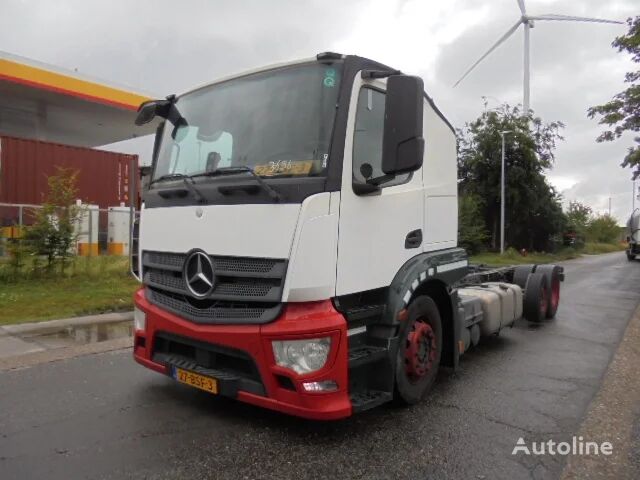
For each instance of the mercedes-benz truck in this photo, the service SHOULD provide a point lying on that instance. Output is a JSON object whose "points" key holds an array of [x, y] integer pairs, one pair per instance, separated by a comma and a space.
{"points": [[297, 242]]}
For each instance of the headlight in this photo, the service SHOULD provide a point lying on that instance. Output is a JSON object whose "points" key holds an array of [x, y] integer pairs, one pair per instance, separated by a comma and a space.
{"points": [[139, 319], [302, 356]]}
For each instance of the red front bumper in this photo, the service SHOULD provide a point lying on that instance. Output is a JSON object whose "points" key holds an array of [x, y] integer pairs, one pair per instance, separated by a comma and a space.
{"points": [[309, 320]]}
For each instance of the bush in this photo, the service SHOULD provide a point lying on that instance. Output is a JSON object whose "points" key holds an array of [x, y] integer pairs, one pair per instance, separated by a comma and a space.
{"points": [[54, 232], [598, 248], [472, 233], [602, 229]]}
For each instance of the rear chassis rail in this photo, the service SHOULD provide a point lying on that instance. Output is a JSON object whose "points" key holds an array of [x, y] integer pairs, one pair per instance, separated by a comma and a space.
{"points": [[479, 273]]}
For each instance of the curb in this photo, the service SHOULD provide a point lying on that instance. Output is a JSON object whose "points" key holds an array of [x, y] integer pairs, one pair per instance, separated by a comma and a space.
{"points": [[612, 415], [50, 326], [57, 354]]}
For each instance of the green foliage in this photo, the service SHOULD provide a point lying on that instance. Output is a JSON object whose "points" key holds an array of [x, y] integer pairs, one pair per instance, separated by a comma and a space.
{"points": [[512, 257], [622, 113], [603, 229], [472, 233], [533, 214], [18, 255], [600, 248], [54, 231], [578, 217]]}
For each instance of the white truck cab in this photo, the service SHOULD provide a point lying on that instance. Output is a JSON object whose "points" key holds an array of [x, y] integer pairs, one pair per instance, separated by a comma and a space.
{"points": [[297, 242]]}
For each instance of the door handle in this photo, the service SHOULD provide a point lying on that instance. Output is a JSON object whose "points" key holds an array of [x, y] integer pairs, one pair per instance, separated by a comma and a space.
{"points": [[413, 239]]}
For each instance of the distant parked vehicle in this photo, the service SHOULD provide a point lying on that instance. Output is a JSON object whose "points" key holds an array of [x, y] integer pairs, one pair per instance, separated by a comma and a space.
{"points": [[633, 237]]}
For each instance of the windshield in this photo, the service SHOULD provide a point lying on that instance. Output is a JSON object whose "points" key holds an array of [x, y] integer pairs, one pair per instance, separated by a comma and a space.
{"points": [[278, 123]]}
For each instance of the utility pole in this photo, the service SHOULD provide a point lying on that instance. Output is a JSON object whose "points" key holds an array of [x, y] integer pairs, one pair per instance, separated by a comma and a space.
{"points": [[502, 199], [609, 206], [633, 196]]}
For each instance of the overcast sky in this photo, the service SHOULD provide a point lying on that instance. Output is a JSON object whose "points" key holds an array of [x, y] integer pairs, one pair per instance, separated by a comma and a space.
{"points": [[163, 47]]}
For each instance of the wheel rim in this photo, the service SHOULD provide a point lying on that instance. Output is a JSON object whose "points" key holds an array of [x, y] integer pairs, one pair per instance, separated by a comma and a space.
{"points": [[543, 301], [555, 294], [421, 350]]}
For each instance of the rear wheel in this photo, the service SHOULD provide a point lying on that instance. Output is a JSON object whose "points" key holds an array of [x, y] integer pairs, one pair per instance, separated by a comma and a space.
{"points": [[419, 351], [536, 298], [552, 272], [520, 275]]}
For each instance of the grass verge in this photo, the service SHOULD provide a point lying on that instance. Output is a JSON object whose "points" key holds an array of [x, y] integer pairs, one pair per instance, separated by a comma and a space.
{"points": [[512, 257], [598, 248], [92, 285]]}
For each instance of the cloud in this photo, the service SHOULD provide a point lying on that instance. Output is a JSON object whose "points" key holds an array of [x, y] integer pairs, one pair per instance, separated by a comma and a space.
{"points": [[164, 47]]}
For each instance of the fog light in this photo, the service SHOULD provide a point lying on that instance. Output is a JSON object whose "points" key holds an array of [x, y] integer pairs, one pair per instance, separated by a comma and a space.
{"points": [[302, 356], [139, 319], [324, 386]]}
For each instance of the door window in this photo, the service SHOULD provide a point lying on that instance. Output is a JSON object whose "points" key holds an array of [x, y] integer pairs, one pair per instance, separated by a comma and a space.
{"points": [[367, 139]]}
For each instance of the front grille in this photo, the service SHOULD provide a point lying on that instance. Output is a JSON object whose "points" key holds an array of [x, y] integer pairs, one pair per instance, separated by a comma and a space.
{"points": [[223, 265], [218, 312], [164, 259], [253, 265], [247, 290]]}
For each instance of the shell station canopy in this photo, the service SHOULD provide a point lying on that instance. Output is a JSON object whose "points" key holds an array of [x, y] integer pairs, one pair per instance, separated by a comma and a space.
{"points": [[43, 102]]}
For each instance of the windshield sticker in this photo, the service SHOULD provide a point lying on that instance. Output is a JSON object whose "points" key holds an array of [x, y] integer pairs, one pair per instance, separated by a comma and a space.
{"points": [[325, 156], [284, 167], [329, 77]]}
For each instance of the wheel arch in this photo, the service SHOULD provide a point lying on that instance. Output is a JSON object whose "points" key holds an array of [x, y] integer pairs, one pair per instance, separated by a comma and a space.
{"points": [[432, 274], [438, 291]]}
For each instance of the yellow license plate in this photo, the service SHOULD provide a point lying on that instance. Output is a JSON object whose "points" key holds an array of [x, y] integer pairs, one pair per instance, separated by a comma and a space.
{"points": [[207, 384]]}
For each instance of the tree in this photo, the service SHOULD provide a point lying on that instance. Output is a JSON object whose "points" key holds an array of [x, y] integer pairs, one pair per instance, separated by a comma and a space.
{"points": [[578, 217], [472, 233], [533, 212], [622, 113], [603, 229], [54, 231]]}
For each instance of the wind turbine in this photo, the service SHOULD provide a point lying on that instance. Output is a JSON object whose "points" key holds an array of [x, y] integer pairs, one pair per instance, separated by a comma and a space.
{"points": [[528, 22]]}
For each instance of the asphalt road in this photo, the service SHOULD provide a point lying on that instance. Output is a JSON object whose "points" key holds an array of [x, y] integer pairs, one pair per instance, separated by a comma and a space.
{"points": [[103, 416]]}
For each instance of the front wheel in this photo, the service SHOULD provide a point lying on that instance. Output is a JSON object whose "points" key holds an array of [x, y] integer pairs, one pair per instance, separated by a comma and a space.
{"points": [[419, 351], [631, 257]]}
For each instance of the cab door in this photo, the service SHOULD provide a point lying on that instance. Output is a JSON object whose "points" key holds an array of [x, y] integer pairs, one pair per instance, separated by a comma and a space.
{"points": [[378, 232]]}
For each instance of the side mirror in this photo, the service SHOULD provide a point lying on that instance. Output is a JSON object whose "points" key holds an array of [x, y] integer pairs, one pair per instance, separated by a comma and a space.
{"points": [[402, 141], [148, 110]]}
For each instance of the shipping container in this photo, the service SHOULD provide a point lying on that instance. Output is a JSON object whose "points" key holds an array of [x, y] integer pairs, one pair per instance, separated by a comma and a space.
{"points": [[103, 177]]}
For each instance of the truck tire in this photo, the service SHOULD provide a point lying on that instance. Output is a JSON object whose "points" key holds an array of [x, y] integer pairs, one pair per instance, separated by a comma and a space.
{"points": [[631, 257], [536, 298], [552, 272], [419, 351], [520, 275]]}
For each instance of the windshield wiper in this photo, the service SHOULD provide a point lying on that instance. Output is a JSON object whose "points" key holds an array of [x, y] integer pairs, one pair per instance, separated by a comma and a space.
{"points": [[273, 193], [191, 185], [188, 181], [168, 176]]}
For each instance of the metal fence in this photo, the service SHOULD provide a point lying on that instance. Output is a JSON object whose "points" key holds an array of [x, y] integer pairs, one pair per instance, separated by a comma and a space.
{"points": [[100, 231]]}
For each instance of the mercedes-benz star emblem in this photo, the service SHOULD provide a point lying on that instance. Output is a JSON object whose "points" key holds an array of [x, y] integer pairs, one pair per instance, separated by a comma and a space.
{"points": [[198, 274]]}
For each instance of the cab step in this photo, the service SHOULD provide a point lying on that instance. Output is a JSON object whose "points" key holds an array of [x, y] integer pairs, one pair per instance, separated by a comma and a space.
{"points": [[367, 399], [366, 354], [362, 313]]}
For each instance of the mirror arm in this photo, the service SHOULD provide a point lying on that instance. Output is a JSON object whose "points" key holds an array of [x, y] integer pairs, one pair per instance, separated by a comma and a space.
{"points": [[364, 188], [372, 185], [380, 180]]}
